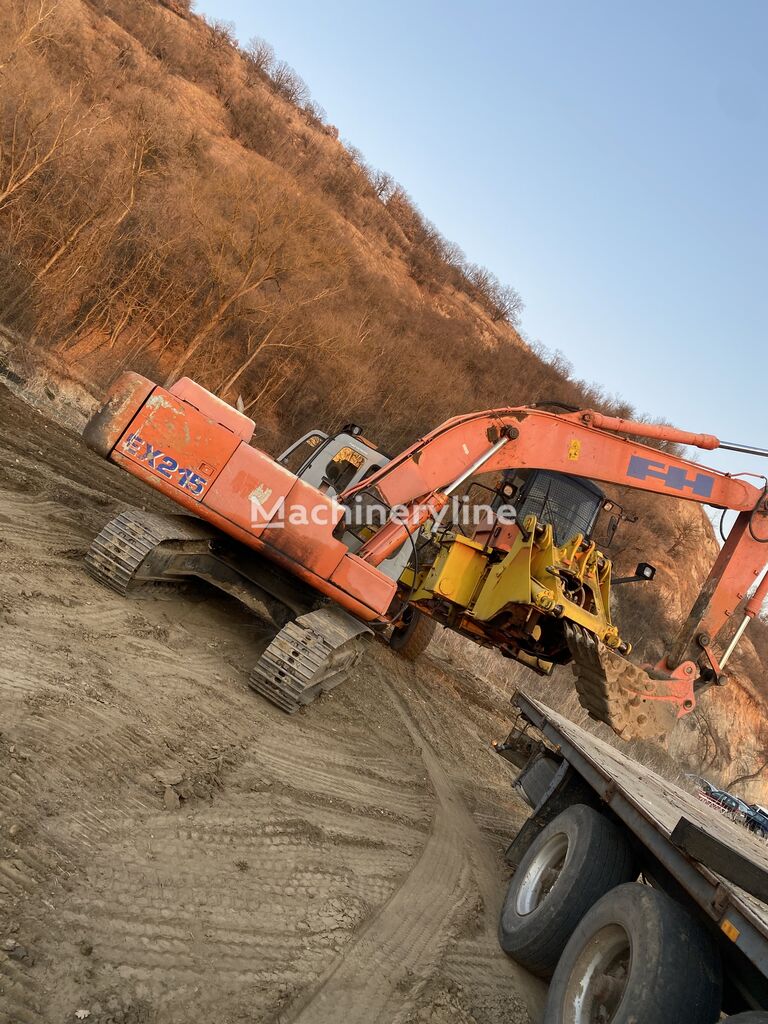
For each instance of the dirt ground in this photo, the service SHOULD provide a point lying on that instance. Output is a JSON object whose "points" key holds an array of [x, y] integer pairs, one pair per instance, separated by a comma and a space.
{"points": [[174, 849]]}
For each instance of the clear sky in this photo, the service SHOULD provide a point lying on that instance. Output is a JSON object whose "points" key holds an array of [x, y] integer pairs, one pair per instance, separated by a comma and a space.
{"points": [[609, 160]]}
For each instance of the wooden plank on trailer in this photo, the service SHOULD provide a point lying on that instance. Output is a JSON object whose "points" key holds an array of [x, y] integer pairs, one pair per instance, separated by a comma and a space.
{"points": [[721, 857]]}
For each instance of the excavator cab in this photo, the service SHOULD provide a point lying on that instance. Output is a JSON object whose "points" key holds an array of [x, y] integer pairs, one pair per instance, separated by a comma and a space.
{"points": [[335, 462], [568, 504], [332, 463]]}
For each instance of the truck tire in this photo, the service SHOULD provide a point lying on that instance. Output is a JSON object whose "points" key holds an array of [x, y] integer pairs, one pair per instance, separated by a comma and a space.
{"points": [[753, 1017], [637, 956], [412, 637], [574, 861]]}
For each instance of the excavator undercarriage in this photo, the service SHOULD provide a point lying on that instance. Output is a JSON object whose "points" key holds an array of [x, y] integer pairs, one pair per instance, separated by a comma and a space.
{"points": [[313, 648]]}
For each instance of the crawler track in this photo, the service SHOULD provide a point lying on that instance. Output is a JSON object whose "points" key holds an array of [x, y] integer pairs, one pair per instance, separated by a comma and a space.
{"points": [[310, 655], [116, 554]]}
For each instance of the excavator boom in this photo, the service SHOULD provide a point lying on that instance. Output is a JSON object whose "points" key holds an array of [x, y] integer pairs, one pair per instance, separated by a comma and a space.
{"points": [[578, 444]]}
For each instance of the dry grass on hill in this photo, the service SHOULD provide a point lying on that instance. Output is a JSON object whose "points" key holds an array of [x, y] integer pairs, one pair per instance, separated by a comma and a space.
{"points": [[175, 204]]}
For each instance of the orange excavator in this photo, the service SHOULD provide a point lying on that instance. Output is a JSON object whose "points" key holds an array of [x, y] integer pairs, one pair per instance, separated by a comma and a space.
{"points": [[332, 540]]}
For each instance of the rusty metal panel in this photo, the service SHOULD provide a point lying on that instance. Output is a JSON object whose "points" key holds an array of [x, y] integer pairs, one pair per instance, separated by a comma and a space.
{"points": [[176, 443], [123, 400]]}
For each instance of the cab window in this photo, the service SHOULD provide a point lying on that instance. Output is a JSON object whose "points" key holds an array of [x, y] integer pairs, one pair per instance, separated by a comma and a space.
{"points": [[342, 468], [295, 459]]}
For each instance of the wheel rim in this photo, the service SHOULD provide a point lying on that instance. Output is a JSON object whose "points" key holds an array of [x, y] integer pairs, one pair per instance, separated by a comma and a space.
{"points": [[598, 981], [542, 874]]}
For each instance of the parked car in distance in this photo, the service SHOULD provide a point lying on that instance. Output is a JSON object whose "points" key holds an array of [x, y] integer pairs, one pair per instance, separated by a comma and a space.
{"points": [[725, 800], [701, 783], [753, 816], [744, 808], [728, 802], [756, 820]]}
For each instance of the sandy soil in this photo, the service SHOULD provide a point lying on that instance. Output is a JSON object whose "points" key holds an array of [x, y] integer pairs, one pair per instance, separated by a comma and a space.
{"points": [[174, 849]]}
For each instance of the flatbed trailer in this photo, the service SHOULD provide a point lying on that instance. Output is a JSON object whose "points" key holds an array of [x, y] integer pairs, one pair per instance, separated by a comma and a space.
{"points": [[642, 904]]}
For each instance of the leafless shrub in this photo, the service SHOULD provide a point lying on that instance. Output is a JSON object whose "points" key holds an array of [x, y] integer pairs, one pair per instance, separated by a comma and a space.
{"points": [[290, 85], [341, 185], [222, 34], [34, 131], [181, 7], [29, 22], [501, 302], [505, 303], [259, 56], [315, 114], [383, 185], [253, 121]]}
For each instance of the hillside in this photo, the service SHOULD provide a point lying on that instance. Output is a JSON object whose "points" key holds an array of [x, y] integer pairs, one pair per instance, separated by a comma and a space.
{"points": [[174, 204]]}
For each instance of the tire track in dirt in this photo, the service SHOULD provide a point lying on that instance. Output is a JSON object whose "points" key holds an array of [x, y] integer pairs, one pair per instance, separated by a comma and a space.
{"points": [[340, 780], [400, 947], [475, 964], [304, 851]]}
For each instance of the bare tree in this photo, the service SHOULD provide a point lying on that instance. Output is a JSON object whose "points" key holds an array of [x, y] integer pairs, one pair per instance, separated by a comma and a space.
{"points": [[32, 137], [259, 59], [277, 339], [290, 85], [316, 115], [31, 24], [505, 303], [106, 196], [250, 255], [222, 34], [750, 776], [383, 184]]}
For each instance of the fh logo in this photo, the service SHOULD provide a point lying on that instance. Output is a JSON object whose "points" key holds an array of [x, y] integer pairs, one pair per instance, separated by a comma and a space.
{"points": [[673, 477]]}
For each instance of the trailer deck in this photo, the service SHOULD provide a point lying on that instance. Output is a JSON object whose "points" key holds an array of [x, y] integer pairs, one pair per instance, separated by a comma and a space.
{"points": [[653, 809]]}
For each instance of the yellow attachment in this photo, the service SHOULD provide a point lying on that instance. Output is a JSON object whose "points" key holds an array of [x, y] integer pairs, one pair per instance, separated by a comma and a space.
{"points": [[545, 600], [455, 573], [571, 582]]}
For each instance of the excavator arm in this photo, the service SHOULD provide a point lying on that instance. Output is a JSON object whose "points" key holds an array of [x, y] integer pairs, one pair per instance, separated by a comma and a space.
{"points": [[590, 445]]}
